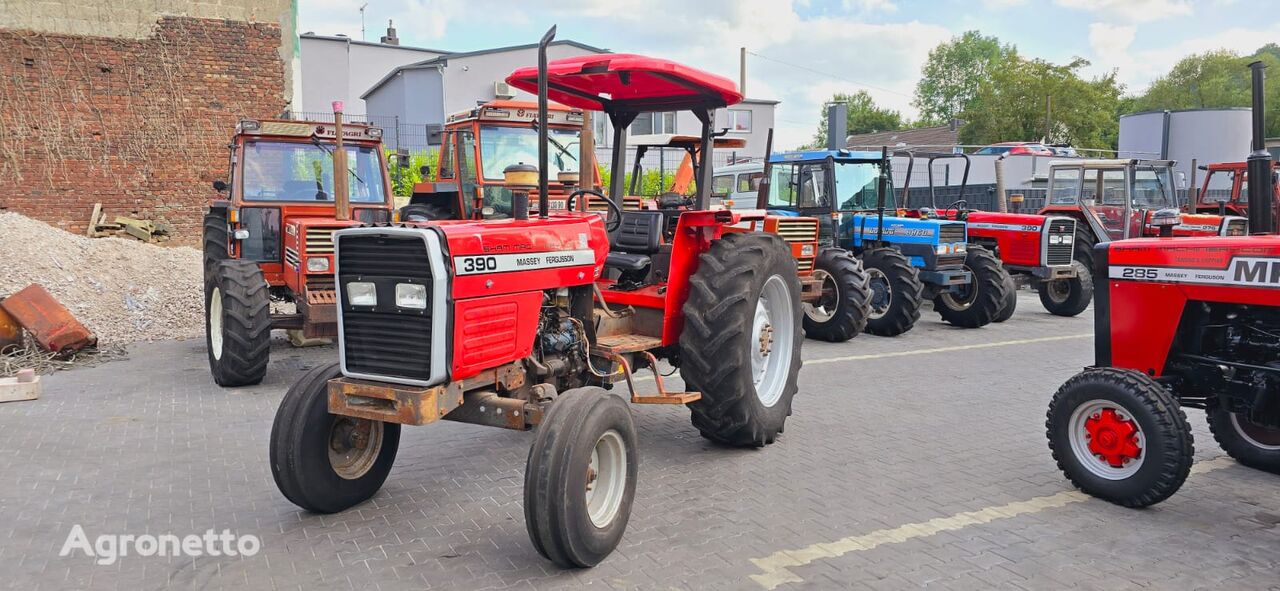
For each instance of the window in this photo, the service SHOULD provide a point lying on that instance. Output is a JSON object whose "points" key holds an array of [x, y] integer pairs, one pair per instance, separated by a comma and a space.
{"points": [[1064, 186], [749, 182], [858, 186], [739, 120], [600, 125], [647, 123], [501, 147], [807, 182], [295, 171], [446, 157], [722, 185]]}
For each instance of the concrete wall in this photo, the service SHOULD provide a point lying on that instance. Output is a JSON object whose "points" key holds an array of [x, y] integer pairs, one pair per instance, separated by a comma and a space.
{"points": [[341, 69]]}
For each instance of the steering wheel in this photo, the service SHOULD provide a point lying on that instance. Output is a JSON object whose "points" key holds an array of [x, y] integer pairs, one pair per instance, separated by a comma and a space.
{"points": [[611, 221], [956, 206]]}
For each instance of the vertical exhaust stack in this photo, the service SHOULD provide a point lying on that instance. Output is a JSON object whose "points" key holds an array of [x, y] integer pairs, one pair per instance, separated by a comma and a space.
{"points": [[542, 122], [1261, 220], [341, 197]]}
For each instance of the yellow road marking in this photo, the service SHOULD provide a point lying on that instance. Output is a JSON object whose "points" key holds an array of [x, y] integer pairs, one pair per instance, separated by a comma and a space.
{"points": [[776, 566]]}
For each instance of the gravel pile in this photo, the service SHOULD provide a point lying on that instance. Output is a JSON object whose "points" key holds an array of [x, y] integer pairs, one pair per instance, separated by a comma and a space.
{"points": [[121, 289]]}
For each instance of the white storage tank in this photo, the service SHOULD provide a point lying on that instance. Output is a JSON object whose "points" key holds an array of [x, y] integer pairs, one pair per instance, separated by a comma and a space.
{"points": [[1206, 135]]}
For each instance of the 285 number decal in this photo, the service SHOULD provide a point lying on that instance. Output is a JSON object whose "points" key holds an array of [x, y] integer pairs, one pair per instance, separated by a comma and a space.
{"points": [[1137, 273]]}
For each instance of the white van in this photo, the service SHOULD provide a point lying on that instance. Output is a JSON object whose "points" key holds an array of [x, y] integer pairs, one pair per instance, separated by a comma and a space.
{"points": [[735, 185]]}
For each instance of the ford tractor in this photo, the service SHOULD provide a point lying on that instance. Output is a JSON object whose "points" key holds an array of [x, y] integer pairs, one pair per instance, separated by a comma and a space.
{"points": [[268, 235], [525, 322], [1226, 188], [907, 259]]}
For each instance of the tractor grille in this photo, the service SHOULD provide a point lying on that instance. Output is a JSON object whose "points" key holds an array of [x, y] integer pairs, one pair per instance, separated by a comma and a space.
{"points": [[1060, 235], [290, 257], [386, 341], [798, 229], [319, 241], [950, 261], [950, 233]]}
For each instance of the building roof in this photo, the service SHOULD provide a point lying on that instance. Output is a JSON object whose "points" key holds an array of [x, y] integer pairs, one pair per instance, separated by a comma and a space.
{"points": [[343, 39], [443, 60], [941, 135]]}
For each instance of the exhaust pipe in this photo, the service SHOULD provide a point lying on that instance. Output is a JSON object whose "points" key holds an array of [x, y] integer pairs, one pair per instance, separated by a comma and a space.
{"points": [[1261, 220], [542, 122]]}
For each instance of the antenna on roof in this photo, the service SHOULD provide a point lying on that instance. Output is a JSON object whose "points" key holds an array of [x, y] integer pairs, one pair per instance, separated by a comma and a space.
{"points": [[542, 121]]}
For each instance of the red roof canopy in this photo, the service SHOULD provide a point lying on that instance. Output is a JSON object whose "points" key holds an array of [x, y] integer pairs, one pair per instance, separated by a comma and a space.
{"points": [[628, 82]]}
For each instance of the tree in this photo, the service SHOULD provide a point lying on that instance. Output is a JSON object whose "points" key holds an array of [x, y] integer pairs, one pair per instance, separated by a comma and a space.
{"points": [[863, 116], [1214, 79], [1011, 106], [951, 76]]}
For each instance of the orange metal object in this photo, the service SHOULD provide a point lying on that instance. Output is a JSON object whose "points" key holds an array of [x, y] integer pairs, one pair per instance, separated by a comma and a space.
{"points": [[10, 331], [52, 325]]}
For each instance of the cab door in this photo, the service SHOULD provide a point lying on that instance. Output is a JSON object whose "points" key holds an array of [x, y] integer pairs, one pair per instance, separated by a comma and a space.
{"points": [[1106, 202]]}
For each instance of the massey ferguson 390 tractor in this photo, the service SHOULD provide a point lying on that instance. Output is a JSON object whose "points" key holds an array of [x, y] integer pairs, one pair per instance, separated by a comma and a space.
{"points": [[524, 322], [269, 235]]}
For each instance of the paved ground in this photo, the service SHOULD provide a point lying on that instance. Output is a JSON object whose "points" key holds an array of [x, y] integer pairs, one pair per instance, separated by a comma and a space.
{"points": [[911, 462]]}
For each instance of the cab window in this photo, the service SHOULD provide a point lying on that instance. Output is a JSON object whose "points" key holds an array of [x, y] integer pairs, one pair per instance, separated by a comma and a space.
{"points": [[1064, 186], [749, 182], [722, 184]]}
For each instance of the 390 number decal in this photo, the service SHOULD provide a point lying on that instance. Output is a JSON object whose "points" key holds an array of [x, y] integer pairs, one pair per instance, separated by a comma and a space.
{"points": [[479, 264]]}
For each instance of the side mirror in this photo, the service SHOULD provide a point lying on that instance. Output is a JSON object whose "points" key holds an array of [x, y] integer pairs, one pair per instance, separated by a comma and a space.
{"points": [[425, 170], [1182, 180]]}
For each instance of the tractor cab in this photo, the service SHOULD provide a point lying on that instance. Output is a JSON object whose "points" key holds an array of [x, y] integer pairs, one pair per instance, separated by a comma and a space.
{"points": [[1226, 190], [1119, 198]]}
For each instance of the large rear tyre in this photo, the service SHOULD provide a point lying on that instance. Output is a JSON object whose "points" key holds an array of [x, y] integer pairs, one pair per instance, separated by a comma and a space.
{"points": [[977, 304], [741, 341], [1010, 300], [324, 462], [580, 478], [895, 292], [1249, 443], [216, 236], [1120, 436], [237, 323], [842, 312], [1068, 297]]}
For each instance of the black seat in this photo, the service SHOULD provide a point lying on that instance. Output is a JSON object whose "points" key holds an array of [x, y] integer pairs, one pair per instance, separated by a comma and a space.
{"points": [[637, 237]]}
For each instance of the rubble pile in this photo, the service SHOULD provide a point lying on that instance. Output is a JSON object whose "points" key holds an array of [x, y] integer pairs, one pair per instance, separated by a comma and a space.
{"points": [[121, 289]]}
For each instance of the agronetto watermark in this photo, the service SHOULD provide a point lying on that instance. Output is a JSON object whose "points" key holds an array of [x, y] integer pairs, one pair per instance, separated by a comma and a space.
{"points": [[108, 548]]}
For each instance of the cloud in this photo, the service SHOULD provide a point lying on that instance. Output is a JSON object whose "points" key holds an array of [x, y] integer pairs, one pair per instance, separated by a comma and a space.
{"points": [[1133, 11], [1112, 49], [1002, 4], [869, 5]]}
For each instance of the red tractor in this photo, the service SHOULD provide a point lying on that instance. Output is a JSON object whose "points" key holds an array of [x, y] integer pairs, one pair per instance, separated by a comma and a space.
{"points": [[1226, 188], [268, 237], [524, 322], [1191, 322]]}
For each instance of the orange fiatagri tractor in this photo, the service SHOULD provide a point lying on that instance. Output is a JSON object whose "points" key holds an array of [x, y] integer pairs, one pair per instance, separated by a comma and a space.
{"points": [[268, 237], [523, 322], [1225, 190]]}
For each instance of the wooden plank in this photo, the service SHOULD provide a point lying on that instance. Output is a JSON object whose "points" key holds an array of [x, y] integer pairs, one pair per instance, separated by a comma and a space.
{"points": [[91, 230], [137, 232], [128, 221]]}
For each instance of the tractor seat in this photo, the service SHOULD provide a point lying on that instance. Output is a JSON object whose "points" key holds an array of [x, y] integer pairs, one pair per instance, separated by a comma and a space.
{"points": [[637, 237]]}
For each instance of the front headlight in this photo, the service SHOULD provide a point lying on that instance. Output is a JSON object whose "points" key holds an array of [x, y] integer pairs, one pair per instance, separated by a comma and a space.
{"points": [[960, 249], [362, 293], [317, 264], [806, 250], [940, 249], [411, 295]]}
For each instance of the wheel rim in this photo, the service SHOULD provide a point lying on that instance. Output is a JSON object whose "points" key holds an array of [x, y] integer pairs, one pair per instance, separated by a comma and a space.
{"points": [[1058, 290], [772, 332], [606, 479], [825, 308], [354, 445], [215, 322], [881, 293], [1257, 435], [962, 298], [1106, 440]]}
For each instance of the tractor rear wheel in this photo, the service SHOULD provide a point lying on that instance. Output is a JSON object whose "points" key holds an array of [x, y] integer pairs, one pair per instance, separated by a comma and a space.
{"points": [[1249, 443], [237, 323], [580, 479], [1010, 300], [324, 462], [977, 304], [421, 212], [841, 314], [895, 292], [1120, 436], [216, 237], [741, 341], [1068, 297]]}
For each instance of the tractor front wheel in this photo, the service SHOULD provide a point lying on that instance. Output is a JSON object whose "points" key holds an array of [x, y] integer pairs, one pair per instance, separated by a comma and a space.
{"points": [[237, 323], [741, 341], [1120, 436], [1068, 297], [977, 304], [324, 462], [1251, 444], [842, 311], [1010, 300], [580, 479], [896, 292]]}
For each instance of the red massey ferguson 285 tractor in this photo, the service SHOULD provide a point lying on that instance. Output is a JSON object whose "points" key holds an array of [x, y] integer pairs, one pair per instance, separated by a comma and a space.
{"points": [[270, 236], [523, 322]]}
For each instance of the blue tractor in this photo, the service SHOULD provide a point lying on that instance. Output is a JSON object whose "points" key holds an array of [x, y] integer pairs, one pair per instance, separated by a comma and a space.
{"points": [[908, 259]]}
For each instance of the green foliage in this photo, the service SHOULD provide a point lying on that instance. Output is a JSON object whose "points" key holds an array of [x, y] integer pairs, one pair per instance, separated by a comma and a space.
{"points": [[950, 78], [403, 178], [1214, 79], [1010, 105], [863, 117], [651, 182]]}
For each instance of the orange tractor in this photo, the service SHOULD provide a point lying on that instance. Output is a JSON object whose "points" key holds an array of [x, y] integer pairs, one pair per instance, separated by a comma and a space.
{"points": [[1226, 189], [268, 236]]}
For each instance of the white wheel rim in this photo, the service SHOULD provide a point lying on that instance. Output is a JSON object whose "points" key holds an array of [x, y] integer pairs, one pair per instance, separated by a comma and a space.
{"points": [[772, 335], [354, 445], [881, 293], [1078, 432], [825, 308], [215, 323], [606, 479], [1249, 433]]}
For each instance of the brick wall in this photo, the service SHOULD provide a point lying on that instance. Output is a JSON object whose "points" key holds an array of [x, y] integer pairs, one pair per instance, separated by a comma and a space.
{"points": [[139, 125]]}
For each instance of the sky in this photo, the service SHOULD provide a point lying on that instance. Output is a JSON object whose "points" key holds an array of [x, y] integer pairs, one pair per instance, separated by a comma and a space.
{"points": [[801, 52]]}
